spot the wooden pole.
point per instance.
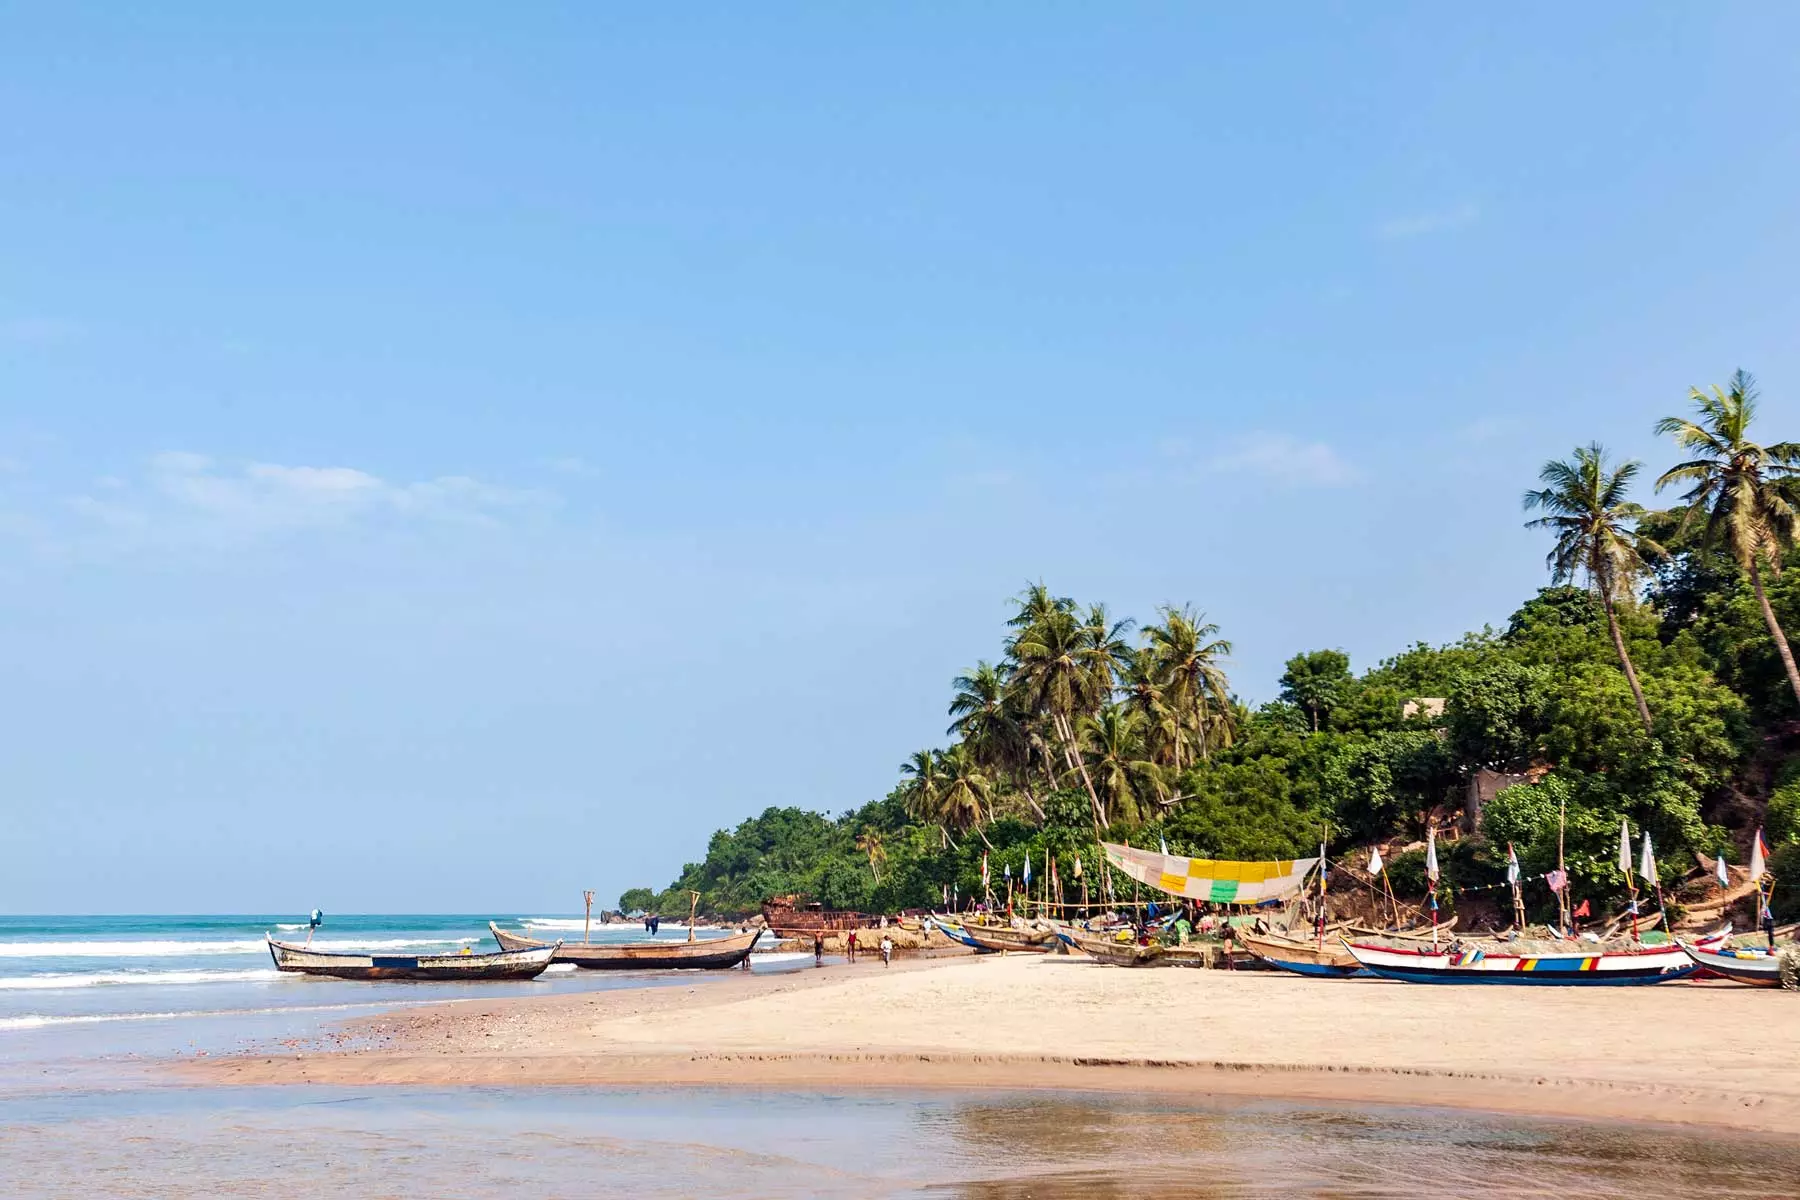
(1562, 894)
(587, 899)
(693, 908)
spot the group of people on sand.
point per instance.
(850, 947)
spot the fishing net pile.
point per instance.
(1790, 968)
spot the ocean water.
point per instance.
(651, 1144)
(81, 991)
(89, 1006)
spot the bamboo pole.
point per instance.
(587, 899)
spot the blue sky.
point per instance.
(447, 462)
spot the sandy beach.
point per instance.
(1710, 1054)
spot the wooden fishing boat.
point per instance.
(994, 938)
(1114, 953)
(1481, 964)
(702, 954)
(1759, 968)
(508, 964)
(1302, 958)
(1417, 933)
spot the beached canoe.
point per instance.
(515, 964)
(707, 954)
(1114, 953)
(995, 938)
(1418, 933)
(1303, 958)
(1759, 968)
(1476, 964)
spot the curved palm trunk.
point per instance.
(1618, 641)
(1080, 764)
(1781, 642)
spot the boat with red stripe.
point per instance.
(1463, 963)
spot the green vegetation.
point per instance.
(1652, 682)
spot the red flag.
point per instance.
(1583, 910)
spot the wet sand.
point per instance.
(1712, 1054)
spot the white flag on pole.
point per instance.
(1724, 879)
(1375, 861)
(1512, 866)
(1164, 844)
(1624, 848)
(1759, 853)
(1647, 864)
(1431, 863)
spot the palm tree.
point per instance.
(1037, 604)
(1143, 688)
(965, 789)
(1189, 649)
(922, 790)
(987, 721)
(1113, 741)
(869, 842)
(1051, 676)
(1742, 487)
(1104, 652)
(1596, 537)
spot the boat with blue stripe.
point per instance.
(1460, 963)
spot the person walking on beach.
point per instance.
(887, 950)
(850, 945)
(818, 950)
(1229, 934)
(1768, 923)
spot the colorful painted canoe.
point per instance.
(1479, 964)
(702, 954)
(1758, 968)
(516, 964)
(1332, 961)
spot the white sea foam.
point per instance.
(168, 949)
(40, 1020)
(559, 968)
(555, 923)
(53, 981)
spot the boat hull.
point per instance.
(1597, 969)
(517, 964)
(1303, 958)
(712, 954)
(1114, 954)
(1755, 969)
(995, 940)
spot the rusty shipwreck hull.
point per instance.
(787, 918)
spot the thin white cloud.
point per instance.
(1285, 460)
(1411, 225)
(191, 497)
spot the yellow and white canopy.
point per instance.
(1217, 880)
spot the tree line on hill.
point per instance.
(1652, 681)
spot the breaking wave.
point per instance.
(166, 949)
(54, 981)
